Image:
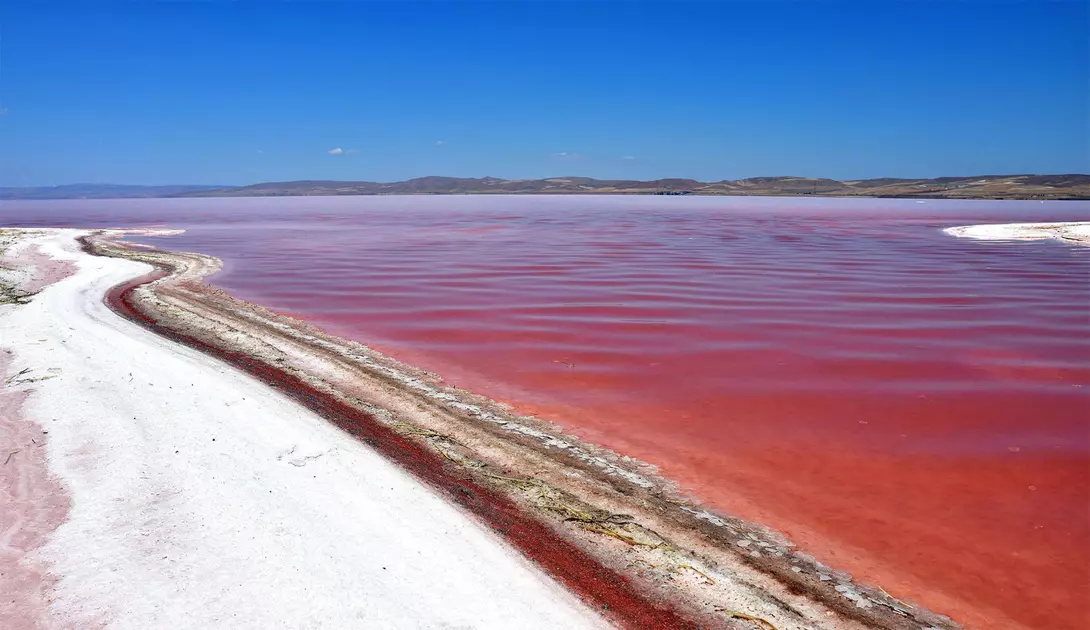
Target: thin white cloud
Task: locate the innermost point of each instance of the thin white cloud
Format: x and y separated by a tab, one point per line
629	158
336	151
439	143
567	155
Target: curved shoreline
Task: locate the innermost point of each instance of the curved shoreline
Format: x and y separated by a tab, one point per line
673	555
607	589
200	497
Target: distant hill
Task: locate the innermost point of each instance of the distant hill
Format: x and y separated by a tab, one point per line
1073	186
98	191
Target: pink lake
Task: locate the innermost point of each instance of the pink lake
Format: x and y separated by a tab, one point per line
907	406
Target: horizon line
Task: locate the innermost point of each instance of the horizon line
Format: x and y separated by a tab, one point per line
551	177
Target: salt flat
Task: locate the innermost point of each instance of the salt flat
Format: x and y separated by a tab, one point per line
1075	232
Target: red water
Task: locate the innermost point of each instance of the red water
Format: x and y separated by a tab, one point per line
907	406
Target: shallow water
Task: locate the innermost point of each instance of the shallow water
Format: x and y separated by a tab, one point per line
908	406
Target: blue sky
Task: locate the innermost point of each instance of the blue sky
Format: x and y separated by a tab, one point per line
235	93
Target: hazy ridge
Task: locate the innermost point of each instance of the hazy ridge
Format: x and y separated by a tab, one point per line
1070	186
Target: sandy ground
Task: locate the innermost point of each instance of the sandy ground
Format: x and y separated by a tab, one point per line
171	490
1074	232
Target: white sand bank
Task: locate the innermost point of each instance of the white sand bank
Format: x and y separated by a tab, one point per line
1075	232
201	498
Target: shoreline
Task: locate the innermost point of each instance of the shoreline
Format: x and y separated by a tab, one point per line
610	506
198	495
569	564
611	531
325	363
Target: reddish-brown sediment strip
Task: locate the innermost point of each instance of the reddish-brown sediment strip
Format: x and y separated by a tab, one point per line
633	549
34	502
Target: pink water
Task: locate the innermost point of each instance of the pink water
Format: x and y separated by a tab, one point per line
908	406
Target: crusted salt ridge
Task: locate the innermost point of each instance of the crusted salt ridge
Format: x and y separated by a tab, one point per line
675	549
1076	232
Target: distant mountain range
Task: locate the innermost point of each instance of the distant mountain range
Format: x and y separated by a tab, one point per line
980	187
98	191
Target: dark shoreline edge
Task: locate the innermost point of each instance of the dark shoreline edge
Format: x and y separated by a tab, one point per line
592	582
628	603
